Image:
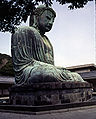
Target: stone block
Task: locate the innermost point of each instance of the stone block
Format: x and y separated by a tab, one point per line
50	93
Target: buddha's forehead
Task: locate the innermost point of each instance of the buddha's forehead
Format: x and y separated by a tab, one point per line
48	13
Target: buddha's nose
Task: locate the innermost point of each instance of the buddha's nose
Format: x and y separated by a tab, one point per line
51	22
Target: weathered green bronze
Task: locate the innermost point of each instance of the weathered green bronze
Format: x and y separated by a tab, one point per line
32	52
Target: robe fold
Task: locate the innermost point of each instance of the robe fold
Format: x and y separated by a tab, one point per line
33	58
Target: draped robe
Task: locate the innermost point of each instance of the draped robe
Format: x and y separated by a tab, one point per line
33	59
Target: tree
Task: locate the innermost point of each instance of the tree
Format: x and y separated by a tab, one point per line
13	12
6	66
7	70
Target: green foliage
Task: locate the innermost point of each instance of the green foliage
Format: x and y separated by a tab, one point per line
74	3
13	12
2	56
6	70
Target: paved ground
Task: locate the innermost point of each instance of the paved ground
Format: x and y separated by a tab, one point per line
74	114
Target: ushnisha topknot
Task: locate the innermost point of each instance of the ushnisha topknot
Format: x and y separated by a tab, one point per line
40	9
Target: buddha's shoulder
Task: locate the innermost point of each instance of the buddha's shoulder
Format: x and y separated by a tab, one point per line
26	29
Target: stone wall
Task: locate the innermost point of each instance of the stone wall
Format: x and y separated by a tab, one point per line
50	93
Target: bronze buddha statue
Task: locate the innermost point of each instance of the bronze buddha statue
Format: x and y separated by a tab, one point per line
32	52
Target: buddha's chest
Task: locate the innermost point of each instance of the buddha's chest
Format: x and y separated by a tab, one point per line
48	50
47	45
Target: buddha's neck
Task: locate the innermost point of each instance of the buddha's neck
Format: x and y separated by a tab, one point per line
41	32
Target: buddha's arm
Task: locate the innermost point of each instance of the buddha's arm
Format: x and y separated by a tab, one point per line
29	59
27	48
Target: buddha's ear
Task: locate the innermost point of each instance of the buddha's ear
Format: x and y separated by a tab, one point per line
33	21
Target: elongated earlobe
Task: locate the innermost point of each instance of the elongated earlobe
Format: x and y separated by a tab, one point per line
33	21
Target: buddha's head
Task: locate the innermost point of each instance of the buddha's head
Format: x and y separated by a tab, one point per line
43	18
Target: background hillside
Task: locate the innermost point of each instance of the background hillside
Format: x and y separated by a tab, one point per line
6	67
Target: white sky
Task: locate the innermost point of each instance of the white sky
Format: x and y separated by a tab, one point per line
72	36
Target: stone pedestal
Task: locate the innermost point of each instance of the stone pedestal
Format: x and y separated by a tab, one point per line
50	93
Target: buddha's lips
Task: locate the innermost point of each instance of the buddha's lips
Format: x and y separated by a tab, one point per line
49	26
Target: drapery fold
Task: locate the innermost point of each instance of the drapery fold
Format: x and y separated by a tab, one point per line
33	59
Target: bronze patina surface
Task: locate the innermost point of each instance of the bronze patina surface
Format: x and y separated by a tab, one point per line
32	52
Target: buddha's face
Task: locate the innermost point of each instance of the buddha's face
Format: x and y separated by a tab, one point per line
45	21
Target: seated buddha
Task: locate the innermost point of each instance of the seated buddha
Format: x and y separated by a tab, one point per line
32	51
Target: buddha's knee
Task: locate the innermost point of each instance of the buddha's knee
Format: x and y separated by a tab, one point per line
40	78
77	77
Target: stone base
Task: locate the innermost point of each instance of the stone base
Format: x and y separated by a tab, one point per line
50	93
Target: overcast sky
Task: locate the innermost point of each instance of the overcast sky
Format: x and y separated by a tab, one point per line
72	36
